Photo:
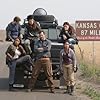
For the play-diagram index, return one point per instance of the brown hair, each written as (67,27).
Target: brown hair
(66,23)
(42,31)
(66,41)
(17,38)
(17,19)
(35,24)
(71,30)
(29,17)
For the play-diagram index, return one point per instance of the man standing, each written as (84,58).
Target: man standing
(68,66)
(42,49)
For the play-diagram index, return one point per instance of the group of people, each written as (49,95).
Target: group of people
(41,45)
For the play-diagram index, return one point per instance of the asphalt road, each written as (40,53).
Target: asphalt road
(37,94)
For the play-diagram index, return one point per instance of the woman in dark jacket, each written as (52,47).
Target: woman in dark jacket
(15,54)
(67,32)
(31,33)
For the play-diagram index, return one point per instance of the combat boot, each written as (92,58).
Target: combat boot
(52,90)
(10,87)
(72,90)
(68,90)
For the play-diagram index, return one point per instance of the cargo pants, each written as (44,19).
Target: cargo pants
(68,74)
(46,65)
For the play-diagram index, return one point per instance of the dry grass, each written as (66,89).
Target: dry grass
(89,52)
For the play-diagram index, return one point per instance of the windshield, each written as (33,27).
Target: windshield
(52,33)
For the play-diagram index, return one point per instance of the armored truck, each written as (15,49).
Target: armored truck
(49,24)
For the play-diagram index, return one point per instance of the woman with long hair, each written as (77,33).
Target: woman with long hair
(31,33)
(16,54)
(67,32)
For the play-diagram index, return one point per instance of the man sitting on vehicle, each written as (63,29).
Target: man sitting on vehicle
(13,29)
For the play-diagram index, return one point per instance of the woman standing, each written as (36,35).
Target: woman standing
(68,66)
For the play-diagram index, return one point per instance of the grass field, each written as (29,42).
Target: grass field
(90,51)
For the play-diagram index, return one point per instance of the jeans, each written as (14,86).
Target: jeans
(12,66)
(27,46)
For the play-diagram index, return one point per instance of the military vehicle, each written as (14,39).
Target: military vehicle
(49,24)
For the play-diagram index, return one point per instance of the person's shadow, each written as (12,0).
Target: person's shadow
(3,84)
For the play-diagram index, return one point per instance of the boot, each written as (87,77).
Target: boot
(68,90)
(30,88)
(52,90)
(72,90)
(10,87)
(28,68)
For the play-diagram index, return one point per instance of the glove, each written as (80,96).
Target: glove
(75,69)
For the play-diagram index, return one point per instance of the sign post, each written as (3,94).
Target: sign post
(88,31)
(93,60)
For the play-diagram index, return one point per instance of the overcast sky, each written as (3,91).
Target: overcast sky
(63,10)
